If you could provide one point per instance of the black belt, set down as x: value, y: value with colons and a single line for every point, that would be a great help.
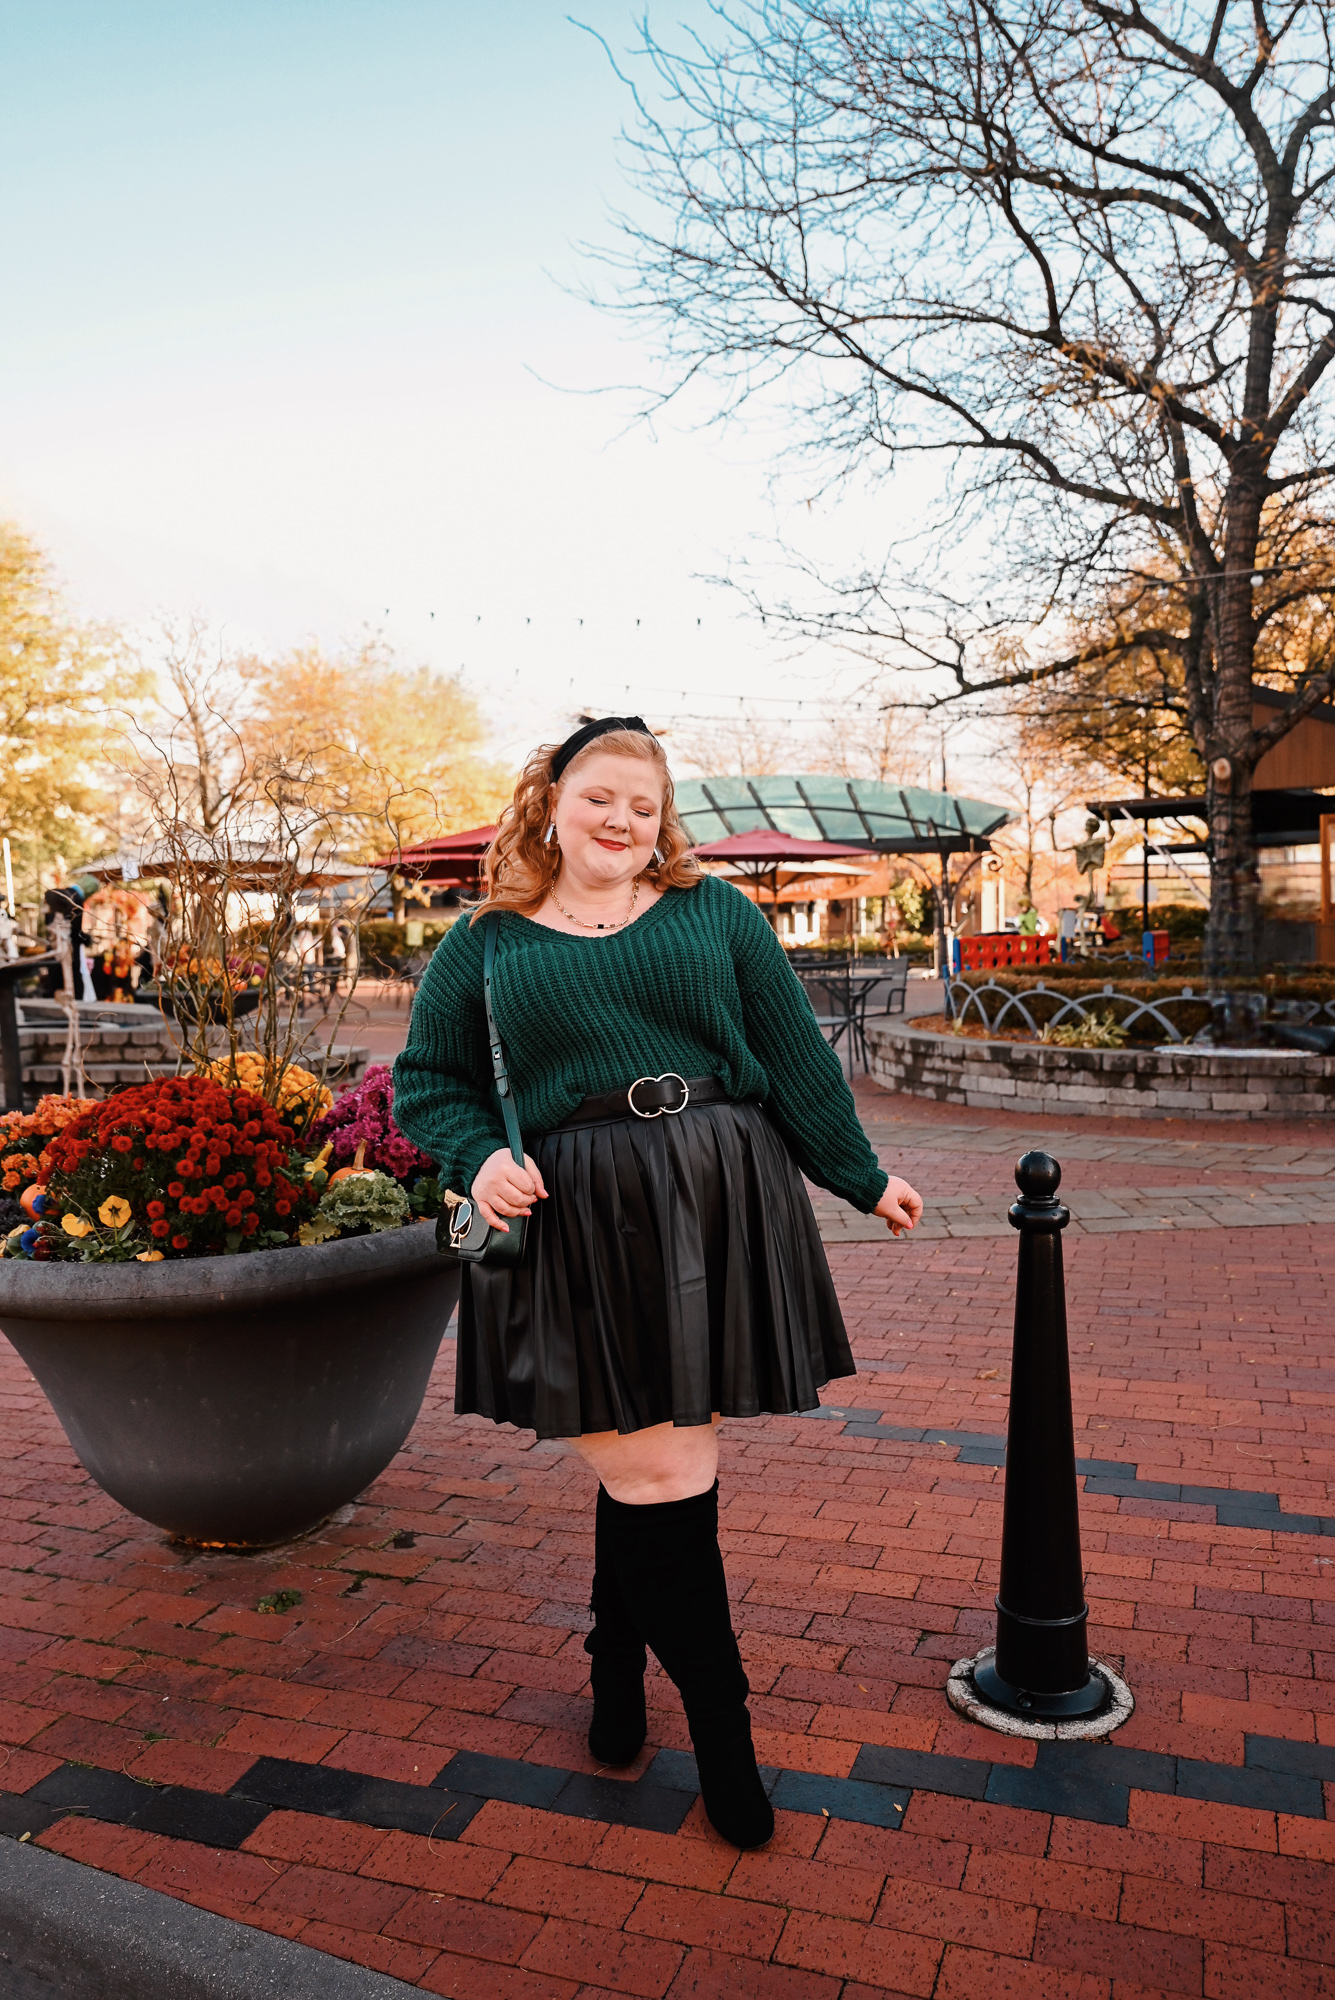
x: 647, y: 1097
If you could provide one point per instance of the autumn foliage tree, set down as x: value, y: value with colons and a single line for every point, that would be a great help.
x: 57, y: 679
x: 401, y: 747
x: 1078, y: 254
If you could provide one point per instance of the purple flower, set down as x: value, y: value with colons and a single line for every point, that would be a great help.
x: 364, y: 1116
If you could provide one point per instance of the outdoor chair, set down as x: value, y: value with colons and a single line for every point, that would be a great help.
x: 830, y: 993
x: 876, y: 998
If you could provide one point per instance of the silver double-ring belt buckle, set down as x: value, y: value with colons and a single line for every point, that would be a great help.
x: 668, y: 1076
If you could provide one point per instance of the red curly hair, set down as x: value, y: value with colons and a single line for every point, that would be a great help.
x: 520, y: 866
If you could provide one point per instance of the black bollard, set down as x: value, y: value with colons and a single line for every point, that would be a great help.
x: 1041, y: 1668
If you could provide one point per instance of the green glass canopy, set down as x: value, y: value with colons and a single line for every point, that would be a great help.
x: 893, y: 819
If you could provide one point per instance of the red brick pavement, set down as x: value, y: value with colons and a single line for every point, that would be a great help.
x: 860, y: 1568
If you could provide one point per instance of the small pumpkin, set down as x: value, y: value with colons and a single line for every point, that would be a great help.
x: 356, y: 1171
x: 33, y: 1201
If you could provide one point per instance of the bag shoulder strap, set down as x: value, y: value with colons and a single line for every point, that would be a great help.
x: 491, y: 927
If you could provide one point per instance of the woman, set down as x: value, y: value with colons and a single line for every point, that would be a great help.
x: 670, y: 1080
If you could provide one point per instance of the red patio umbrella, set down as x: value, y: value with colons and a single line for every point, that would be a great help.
x: 762, y: 855
x: 453, y: 857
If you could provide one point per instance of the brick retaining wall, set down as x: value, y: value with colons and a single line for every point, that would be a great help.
x: 122, y: 1050
x: 1122, y: 1083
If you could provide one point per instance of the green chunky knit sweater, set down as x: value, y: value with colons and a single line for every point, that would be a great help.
x: 698, y: 984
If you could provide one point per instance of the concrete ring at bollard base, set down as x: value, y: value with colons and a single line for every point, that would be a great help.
x: 964, y: 1697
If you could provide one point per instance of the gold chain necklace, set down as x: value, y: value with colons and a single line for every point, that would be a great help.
x: 571, y: 918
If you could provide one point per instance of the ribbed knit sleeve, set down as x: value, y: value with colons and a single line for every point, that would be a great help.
x: 443, y: 1097
x: 809, y: 1098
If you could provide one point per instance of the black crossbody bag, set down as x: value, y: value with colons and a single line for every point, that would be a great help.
x: 463, y: 1231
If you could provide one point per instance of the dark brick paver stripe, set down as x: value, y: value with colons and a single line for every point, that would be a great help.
x: 1232, y: 1507
x: 1085, y: 1781
x: 395, y: 1772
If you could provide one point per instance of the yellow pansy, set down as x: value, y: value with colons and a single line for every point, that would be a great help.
x: 74, y: 1225
x: 149, y: 1257
x: 115, y: 1211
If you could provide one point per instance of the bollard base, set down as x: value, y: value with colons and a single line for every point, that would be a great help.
x: 969, y: 1692
x: 1068, y: 1707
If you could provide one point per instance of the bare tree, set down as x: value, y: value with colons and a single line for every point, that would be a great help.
x: 244, y: 896
x: 881, y: 741
x: 745, y: 745
x: 200, y: 706
x: 1079, y: 255
x: 1038, y: 779
x: 871, y: 738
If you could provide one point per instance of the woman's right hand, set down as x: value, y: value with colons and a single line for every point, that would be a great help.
x: 502, y: 1188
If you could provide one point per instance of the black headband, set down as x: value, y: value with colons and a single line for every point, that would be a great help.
x: 590, y: 733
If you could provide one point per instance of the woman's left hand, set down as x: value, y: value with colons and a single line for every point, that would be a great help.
x: 901, y: 1206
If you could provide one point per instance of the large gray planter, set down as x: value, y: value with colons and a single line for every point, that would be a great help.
x: 237, y: 1400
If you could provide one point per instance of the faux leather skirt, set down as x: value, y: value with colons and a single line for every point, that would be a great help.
x: 674, y: 1269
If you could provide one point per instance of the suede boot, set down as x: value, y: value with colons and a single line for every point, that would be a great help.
x: 616, y: 1665
x: 665, y: 1559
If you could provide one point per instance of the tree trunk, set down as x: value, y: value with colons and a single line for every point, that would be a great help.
x: 1231, y: 934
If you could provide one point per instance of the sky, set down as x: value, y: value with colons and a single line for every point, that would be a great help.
x: 292, y: 339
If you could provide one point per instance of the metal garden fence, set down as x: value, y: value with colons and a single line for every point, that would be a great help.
x: 995, y: 1007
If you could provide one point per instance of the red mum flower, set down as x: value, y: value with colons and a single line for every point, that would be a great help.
x: 180, y: 1243
x: 122, y: 1143
x: 156, y: 1208
x: 160, y: 1228
x: 175, y: 1189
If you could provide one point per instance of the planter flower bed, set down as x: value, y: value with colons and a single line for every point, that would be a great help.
x: 195, y: 1166
x: 234, y: 1404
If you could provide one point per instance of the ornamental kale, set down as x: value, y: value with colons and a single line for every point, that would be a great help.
x: 364, y: 1204
x: 364, y: 1117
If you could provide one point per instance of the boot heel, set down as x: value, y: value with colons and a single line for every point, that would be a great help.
x: 730, y: 1784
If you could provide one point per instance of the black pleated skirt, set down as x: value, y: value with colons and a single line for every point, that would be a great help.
x: 675, y: 1269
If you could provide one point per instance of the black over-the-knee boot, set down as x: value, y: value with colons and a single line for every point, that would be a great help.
x: 666, y: 1560
x: 616, y: 1656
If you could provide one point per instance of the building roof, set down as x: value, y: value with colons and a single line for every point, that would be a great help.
x: 893, y: 819
x: 1281, y: 817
